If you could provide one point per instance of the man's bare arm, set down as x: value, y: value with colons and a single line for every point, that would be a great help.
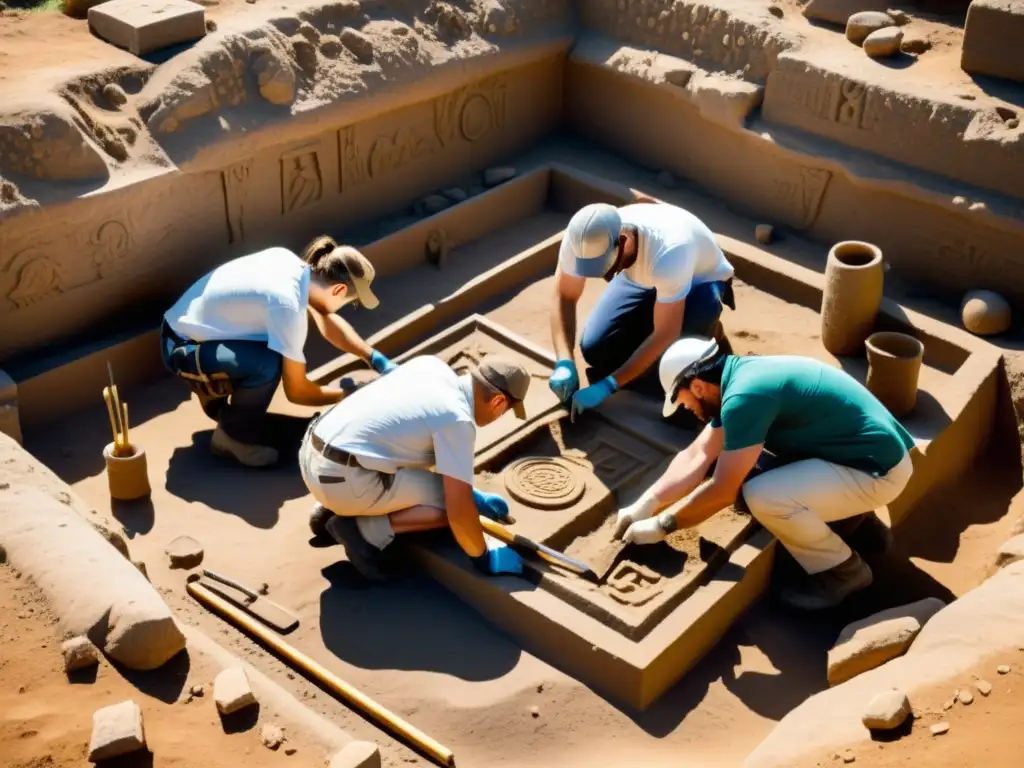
x: 568, y: 289
x: 668, y: 324
x: 300, y: 390
x: 640, y: 197
x: 722, y: 490
x: 463, y: 517
x: 690, y: 466
x: 338, y: 332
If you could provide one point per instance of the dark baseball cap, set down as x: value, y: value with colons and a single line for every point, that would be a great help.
x: 511, y: 379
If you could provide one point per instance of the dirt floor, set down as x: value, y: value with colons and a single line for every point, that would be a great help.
x: 428, y: 657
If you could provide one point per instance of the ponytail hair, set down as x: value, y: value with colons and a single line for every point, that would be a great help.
x: 330, y: 262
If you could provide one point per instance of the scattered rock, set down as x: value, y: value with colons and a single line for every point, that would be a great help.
x: 886, y: 711
x: 115, y: 94
x: 142, y: 568
x: 939, y: 728
x: 667, y: 180
x: 356, y: 754
x: 116, y: 730
x: 359, y: 44
x: 330, y: 46
x: 309, y: 32
x: 874, y: 640
x: 452, y: 21
x: 276, y: 79
x: 775, y: 11
x: 862, y: 24
x: 1003, y: 669
x: 900, y: 17
x: 211, y: 25
x: 79, y: 653
x: 984, y: 687
x: 917, y: 45
x: 985, y: 313
x: 291, y: 751
x: 849, y: 757
x: 231, y: 691
x: 763, y: 233
x: 197, y: 691
x: 949, y: 704
x: 1011, y: 550
x: 883, y: 43
x: 964, y: 697
x: 271, y: 736
x: 1013, y: 122
x: 495, y: 176
x: 305, y: 53
x: 185, y: 552
x: 456, y: 194
x: 534, y: 712
x: 432, y: 204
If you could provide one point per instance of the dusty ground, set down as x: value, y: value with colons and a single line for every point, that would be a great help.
x: 46, y: 719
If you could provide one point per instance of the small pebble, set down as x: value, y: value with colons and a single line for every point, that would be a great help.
x: 271, y: 736
x: 290, y: 751
x: 197, y: 690
x: 984, y: 687
x: 949, y: 704
x: 849, y: 757
x: 264, y: 588
x: 534, y: 712
x: 1003, y: 669
x: 965, y: 697
x: 763, y: 233
x: 939, y: 728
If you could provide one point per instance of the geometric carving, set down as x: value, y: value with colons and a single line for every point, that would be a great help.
x: 391, y: 152
x: 472, y: 112
x: 353, y: 168
x: 544, y: 483
x: 301, y: 180
x: 36, y: 277
x: 804, y: 197
x: 633, y: 584
x: 613, y: 466
x: 849, y: 104
x: 235, y: 180
x: 113, y: 243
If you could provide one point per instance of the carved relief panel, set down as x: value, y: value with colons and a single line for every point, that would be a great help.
x: 235, y: 180
x: 302, y: 181
x: 472, y: 112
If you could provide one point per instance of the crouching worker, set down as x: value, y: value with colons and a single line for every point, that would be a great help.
x: 847, y: 456
x: 240, y: 330
x: 397, y: 457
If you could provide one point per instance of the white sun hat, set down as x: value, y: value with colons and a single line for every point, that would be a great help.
x: 589, y: 245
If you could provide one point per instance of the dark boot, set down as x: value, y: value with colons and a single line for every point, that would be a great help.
x: 318, y: 520
x: 829, y: 588
x: 364, y: 557
x: 865, y: 533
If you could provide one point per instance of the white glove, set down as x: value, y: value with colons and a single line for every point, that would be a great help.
x: 645, y: 532
x: 641, y: 509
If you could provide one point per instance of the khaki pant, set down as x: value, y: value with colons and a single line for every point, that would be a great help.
x: 369, y: 495
x: 796, y: 501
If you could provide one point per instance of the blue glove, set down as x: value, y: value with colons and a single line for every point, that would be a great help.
x: 491, y: 505
x: 381, y: 364
x: 564, y: 381
x: 499, y: 559
x: 592, y: 396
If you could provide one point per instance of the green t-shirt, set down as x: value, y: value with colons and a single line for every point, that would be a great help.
x: 800, y: 408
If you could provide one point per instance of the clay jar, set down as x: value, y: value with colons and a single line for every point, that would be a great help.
x: 127, y: 476
x: 852, y: 296
x: 894, y: 365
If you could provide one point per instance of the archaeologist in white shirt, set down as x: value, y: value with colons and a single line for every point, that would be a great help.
x: 848, y: 456
x: 397, y: 457
x: 239, y: 331
x: 666, y: 277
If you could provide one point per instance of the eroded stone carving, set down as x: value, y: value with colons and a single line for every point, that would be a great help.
x: 301, y: 178
x: 391, y: 152
x: 804, y: 197
x: 112, y: 243
x: 235, y: 179
x: 35, y: 276
x: 352, y: 170
x: 613, y: 465
x: 632, y: 584
x: 472, y: 112
x: 544, y: 483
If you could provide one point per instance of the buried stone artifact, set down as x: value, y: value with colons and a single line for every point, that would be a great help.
x: 545, y: 483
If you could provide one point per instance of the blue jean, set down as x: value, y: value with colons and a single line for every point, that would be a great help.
x: 624, y: 318
x: 254, y: 371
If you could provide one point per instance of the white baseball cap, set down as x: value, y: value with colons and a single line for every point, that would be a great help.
x: 589, y: 245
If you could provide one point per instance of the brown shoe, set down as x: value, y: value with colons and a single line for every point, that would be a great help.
x: 249, y: 455
x: 318, y: 520
x: 829, y: 588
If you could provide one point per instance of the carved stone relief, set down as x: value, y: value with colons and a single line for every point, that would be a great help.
x: 112, y: 243
x: 803, y: 197
x: 471, y: 112
x: 389, y: 153
x: 350, y: 158
x: 632, y: 584
x: 544, y: 483
x: 33, y: 276
x: 612, y: 464
x: 235, y: 180
x: 301, y: 178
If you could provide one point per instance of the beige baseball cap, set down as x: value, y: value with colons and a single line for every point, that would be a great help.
x: 511, y: 379
x: 361, y: 272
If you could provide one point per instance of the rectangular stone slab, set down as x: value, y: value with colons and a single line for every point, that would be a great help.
x: 143, y: 26
x: 994, y: 39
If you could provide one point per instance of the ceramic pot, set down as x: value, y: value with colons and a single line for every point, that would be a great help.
x: 127, y: 476
x: 894, y: 366
x: 852, y: 296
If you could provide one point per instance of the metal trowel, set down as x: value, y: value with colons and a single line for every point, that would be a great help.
x: 267, y: 611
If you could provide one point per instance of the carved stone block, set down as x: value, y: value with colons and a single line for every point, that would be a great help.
x: 301, y: 178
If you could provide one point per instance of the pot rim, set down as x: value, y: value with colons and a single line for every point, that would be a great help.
x: 137, y: 453
x: 872, y: 343
x: 871, y: 248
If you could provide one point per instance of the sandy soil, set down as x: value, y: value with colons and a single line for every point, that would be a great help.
x: 46, y: 719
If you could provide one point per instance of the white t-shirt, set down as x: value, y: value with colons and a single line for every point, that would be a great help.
x: 676, y: 251
x: 419, y: 415
x: 259, y: 297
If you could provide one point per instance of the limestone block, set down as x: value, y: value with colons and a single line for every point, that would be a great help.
x: 231, y: 691
x: 116, y: 730
x: 887, y: 710
x: 883, y: 43
x: 985, y: 313
x: 357, y: 754
x: 143, y: 26
x: 992, y: 39
x: 48, y: 144
x: 78, y: 654
x: 839, y: 11
x: 724, y: 100
x: 874, y: 640
x: 1011, y: 551
x: 862, y: 24
x: 93, y: 590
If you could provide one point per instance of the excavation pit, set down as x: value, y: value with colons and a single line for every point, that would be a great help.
x: 655, y: 612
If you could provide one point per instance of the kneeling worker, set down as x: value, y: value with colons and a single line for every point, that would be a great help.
x: 848, y: 456
x: 367, y: 461
x: 240, y: 329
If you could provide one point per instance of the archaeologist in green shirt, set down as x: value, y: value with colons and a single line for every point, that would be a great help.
x: 846, y: 456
